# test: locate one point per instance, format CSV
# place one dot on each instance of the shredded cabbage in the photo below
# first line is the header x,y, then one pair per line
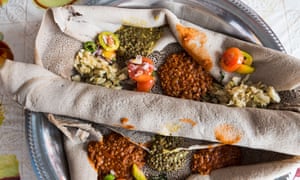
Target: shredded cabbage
x,y
240,93
96,70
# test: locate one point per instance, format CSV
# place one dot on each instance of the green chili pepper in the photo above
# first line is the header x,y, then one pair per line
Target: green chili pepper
x,y
247,58
90,46
137,173
109,177
108,41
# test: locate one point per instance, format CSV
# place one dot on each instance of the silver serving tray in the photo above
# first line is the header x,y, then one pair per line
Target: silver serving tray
x,y
231,17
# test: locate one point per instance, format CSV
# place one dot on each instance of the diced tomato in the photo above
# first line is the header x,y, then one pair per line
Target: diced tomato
x,y
145,86
141,72
143,78
231,59
148,60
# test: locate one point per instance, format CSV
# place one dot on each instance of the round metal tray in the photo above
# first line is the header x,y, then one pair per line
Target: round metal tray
x,y
231,17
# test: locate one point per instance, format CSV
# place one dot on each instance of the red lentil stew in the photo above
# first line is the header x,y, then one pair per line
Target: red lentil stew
x,y
115,153
182,77
206,160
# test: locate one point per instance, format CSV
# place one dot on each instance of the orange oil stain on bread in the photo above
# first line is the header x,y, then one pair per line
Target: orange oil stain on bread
x,y
124,120
227,134
128,126
188,121
193,41
124,124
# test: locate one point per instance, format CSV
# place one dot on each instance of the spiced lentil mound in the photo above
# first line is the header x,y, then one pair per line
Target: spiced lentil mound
x,y
115,153
182,77
206,160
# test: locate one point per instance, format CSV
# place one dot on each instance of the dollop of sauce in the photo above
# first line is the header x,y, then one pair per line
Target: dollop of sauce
x,y
227,134
193,41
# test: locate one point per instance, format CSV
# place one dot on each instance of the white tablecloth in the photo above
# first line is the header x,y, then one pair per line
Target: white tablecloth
x,y
20,20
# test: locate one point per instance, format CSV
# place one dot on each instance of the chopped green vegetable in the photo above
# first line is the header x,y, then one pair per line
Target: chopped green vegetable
x,y
136,41
161,156
222,76
95,70
1,36
137,173
154,74
108,41
162,176
109,177
90,46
